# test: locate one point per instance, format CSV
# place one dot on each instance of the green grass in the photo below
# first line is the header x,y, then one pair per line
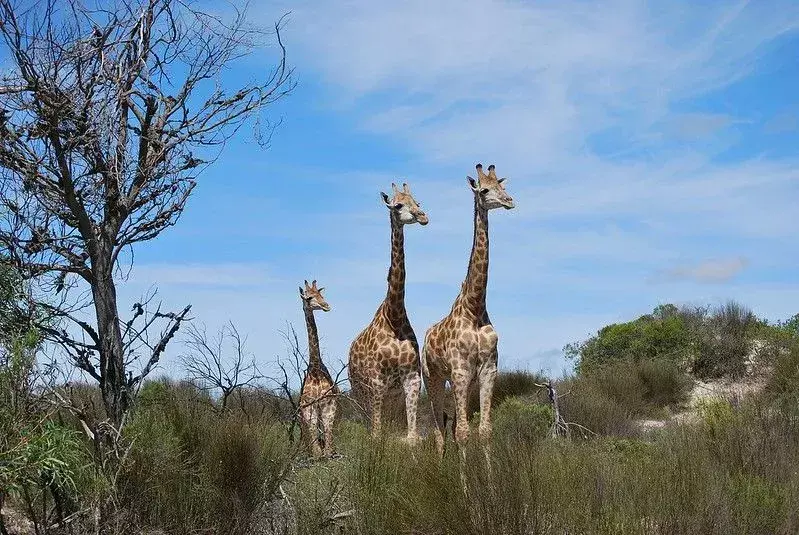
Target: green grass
x,y
193,468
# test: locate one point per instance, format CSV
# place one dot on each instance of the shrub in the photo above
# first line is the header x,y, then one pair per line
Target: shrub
x,y
790,326
723,342
664,334
522,421
664,383
196,468
583,402
509,384
784,381
617,392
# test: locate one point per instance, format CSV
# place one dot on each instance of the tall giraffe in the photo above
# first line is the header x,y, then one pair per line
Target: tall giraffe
x,y
462,347
318,397
385,355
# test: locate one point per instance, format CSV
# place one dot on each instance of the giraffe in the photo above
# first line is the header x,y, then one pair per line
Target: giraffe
x,y
462,347
319,392
385,355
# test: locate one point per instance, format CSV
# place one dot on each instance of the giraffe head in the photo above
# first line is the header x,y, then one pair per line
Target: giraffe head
x,y
312,297
404,206
490,190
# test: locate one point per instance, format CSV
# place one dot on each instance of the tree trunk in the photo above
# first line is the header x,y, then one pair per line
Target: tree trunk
x,y
112,360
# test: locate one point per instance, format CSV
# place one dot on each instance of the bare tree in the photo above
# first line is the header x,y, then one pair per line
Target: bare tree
x,y
219,363
108,113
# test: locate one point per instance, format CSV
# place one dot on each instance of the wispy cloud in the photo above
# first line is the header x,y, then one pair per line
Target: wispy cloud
x,y
708,271
610,124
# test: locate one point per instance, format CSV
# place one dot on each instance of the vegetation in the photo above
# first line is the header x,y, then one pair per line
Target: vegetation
x,y
710,343
191,465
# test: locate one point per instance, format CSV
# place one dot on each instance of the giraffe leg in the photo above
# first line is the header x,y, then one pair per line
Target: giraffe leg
x,y
460,383
378,395
435,391
412,384
310,420
328,410
487,376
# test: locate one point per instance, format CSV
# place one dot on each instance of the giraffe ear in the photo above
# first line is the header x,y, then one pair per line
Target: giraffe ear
x,y
385,199
472,183
501,180
320,290
302,293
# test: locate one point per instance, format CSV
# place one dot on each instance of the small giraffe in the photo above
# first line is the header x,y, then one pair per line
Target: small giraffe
x,y
385,355
319,392
462,347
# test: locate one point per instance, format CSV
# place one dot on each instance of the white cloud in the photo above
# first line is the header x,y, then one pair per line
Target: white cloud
x,y
528,82
708,271
581,106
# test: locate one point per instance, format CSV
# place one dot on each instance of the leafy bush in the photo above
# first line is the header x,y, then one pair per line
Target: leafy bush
x,y
790,326
784,381
711,343
664,383
194,467
664,334
510,384
43,463
606,398
585,403
723,341
522,421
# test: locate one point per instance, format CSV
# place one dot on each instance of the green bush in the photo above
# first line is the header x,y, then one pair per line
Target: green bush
x,y
193,467
783,384
606,398
43,463
585,403
723,341
664,334
709,343
664,383
508,384
522,421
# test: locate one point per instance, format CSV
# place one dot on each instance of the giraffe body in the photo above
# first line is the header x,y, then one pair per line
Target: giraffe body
x,y
384,357
319,393
462,348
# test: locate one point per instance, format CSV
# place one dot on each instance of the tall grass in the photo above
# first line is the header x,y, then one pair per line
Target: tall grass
x,y
607,399
193,468
734,472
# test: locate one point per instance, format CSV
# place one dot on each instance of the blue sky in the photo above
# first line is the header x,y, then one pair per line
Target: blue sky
x,y
652,152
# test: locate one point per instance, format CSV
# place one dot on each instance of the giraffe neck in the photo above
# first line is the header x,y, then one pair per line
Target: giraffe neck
x,y
474,287
395,296
314,356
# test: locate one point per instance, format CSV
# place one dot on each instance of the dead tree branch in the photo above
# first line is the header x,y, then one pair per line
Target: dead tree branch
x,y
108,114
219,363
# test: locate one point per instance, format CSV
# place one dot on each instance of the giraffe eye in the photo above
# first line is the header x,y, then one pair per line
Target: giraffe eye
x,y
399,206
